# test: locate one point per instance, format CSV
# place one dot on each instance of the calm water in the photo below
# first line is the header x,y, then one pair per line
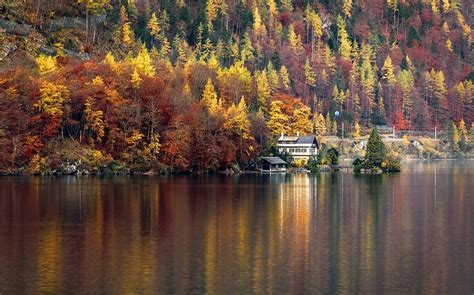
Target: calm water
x,y
410,233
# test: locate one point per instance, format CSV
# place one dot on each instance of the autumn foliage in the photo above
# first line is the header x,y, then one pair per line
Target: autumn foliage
x,y
201,86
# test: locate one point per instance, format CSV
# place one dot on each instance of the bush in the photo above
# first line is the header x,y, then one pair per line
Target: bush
x,y
358,164
391,162
313,164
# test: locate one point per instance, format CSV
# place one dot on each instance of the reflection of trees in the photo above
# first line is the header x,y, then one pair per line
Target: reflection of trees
x,y
50,259
330,233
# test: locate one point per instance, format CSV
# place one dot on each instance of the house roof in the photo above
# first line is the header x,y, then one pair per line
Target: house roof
x,y
309,139
306,139
288,138
273,160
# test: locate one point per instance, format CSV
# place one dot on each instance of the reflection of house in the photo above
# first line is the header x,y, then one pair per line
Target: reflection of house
x,y
273,164
300,147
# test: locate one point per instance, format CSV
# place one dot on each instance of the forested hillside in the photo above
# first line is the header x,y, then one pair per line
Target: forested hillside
x,y
202,85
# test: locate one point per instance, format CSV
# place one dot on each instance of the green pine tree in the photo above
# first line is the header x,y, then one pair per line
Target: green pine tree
x,y
375,151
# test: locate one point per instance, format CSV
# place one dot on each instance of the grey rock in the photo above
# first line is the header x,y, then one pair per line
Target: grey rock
x,y
14,28
6,49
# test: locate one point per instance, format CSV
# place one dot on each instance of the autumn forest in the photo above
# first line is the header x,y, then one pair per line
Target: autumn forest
x,y
204,85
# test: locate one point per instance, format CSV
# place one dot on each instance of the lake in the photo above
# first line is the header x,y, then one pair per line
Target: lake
x,y
409,233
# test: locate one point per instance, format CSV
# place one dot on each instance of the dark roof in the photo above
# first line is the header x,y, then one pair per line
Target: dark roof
x,y
306,139
274,160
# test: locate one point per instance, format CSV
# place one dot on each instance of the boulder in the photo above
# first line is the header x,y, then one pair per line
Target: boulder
x,y
14,28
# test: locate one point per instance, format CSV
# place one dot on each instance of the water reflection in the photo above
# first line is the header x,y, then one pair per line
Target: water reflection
x,y
331,233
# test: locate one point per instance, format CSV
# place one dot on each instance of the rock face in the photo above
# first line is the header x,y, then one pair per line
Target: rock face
x,y
6,49
69,169
14,28
74,23
49,50
67,23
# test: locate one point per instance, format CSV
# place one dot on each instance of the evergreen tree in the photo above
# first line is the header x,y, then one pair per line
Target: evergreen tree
x,y
375,151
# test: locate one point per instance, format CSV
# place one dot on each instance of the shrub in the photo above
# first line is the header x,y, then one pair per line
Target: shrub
x,y
391,163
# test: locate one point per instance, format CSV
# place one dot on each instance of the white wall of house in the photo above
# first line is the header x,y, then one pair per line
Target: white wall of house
x,y
298,150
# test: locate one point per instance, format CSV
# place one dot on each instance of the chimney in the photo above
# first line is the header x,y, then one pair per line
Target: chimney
x,y
298,133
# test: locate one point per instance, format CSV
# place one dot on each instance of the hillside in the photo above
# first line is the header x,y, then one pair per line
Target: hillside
x,y
204,85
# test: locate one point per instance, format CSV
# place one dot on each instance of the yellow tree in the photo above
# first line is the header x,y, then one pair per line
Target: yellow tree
x,y
294,40
258,26
46,64
110,61
463,135
347,7
128,37
53,97
237,121
310,76
272,76
320,126
135,79
446,6
407,84
284,79
300,121
209,99
154,27
93,120
345,46
142,62
263,91
279,122
388,71
357,130
313,22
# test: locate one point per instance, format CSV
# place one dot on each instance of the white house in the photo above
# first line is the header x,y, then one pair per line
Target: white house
x,y
300,147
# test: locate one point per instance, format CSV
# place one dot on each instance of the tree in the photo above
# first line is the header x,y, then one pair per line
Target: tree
x,y
237,121
320,126
135,79
154,27
142,62
209,99
46,64
463,135
263,91
347,7
128,37
284,79
300,121
53,99
273,78
96,7
357,133
310,76
388,72
407,83
294,40
375,150
279,122
94,120
345,46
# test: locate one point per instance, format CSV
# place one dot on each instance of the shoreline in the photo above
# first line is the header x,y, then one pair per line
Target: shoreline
x,y
337,169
